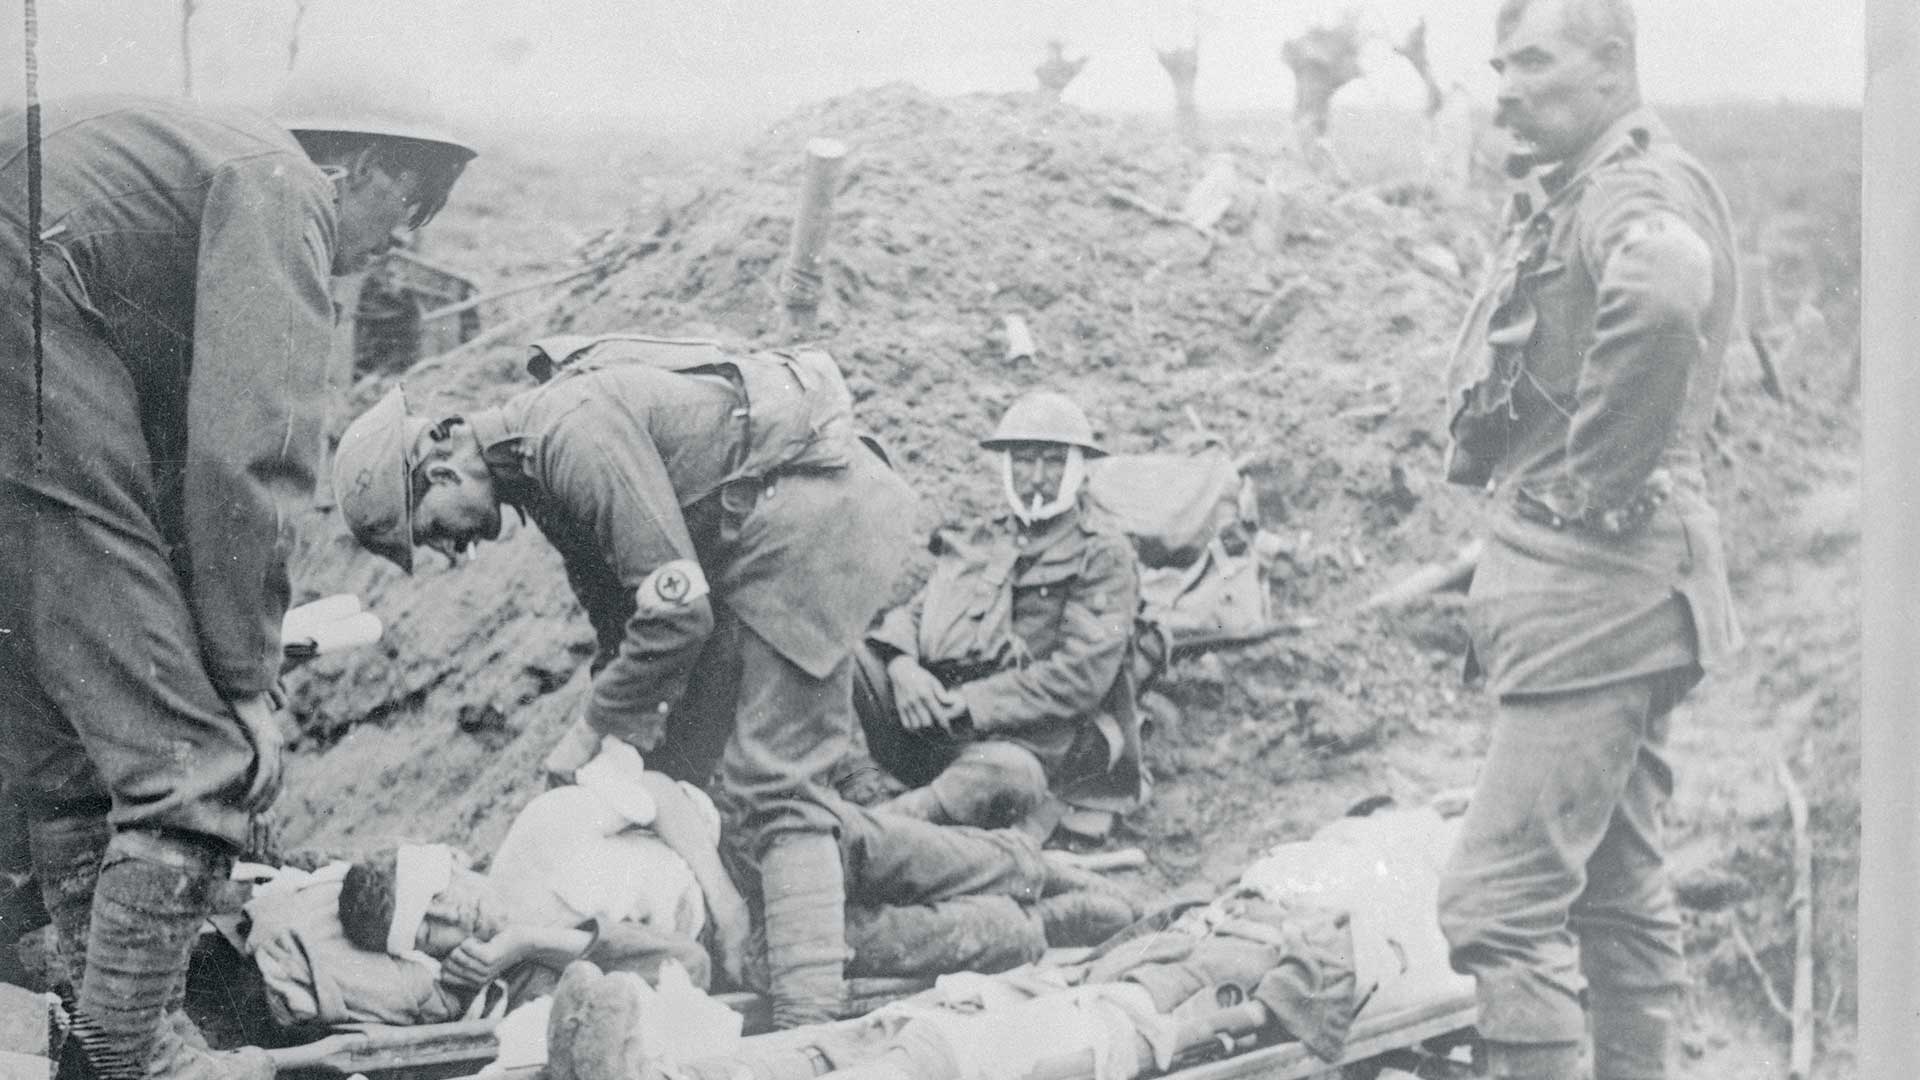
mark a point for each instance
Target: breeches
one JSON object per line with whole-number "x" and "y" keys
{"x": 104, "y": 701}
{"x": 1557, "y": 882}
{"x": 764, "y": 733}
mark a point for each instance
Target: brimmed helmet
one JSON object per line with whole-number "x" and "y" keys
{"x": 373, "y": 478}
{"x": 365, "y": 102}
{"x": 1044, "y": 416}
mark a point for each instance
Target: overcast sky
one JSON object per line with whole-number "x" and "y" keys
{"x": 689, "y": 62}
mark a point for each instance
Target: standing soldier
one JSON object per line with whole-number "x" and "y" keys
{"x": 729, "y": 537}
{"x": 163, "y": 423}
{"x": 1583, "y": 381}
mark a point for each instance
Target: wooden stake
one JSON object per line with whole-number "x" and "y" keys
{"x": 1800, "y": 1059}
{"x": 800, "y": 283}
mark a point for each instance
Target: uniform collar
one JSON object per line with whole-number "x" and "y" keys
{"x": 1633, "y": 132}
{"x": 503, "y": 445}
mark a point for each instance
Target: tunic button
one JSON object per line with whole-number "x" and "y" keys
{"x": 1043, "y": 590}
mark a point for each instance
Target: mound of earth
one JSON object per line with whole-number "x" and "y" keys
{"x": 1307, "y": 328}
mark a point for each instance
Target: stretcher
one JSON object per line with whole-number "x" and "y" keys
{"x": 1234, "y": 1043}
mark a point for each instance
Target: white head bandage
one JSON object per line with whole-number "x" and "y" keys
{"x": 421, "y": 872}
{"x": 1062, "y": 501}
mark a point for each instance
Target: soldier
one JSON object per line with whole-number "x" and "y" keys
{"x": 729, "y": 537}
{"x": 639, "y": 862}
{"x": 1581, "y": 386}
{"x": 163, "y": 416}
{"x": 1006, "y": 676}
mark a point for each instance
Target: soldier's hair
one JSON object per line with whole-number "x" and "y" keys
{"x": 418, "y": 482}
{"x": 1589, "y": 22}
{"x": 434, "y": 165}
{"x": 366, "y": 900}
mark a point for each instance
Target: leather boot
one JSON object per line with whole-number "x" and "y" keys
{"x": 154, "y": 891}
{"x": 594, "y": 1030}
{"x": 1533, "y": 1061}
{"x": 1083, "y": 918}
{"x": 67, "y": 852}
{"x": 804, "y": 900}
{"x": 1633, "y": 1033}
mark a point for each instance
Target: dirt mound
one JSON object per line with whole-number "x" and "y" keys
{"x": 1305, "y": 330}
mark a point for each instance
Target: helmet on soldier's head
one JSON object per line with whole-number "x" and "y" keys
{"x": 1044, "y": 416}
{"x": 361, "y": 100}
{"x": 373, "y": 478}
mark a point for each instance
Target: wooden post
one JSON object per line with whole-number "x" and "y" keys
{"x": 1800, "y": 1053}
{"x": 186, "y": 46}
{"x": 800, "y": 284}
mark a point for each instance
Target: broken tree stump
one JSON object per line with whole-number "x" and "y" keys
{"x": 1056, "y": 71}
{"x": 1323, "y": 60}
{"x": 801, "y": 281}
{"x": 1183, "y": 67}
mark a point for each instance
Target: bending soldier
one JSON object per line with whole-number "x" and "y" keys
{"x": 726, "y": 532}
{"x": 163, "y": 420}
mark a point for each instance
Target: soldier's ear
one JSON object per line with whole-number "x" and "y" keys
{"x": 442, "y": 471}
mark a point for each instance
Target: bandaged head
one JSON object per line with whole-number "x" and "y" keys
{"x": 421, "y": 872}
{"x": 1043, "y": 416}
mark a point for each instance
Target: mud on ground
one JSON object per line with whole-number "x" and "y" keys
{"x": 1308, "y": 330}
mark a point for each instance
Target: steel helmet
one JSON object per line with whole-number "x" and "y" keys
{"x": 373, "y": 478}
{"x": 366, "y": 101}
{"x": 1044, "y": 416}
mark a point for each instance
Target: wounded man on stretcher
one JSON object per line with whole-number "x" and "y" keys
{"x": 1309, "y": 937}
{"x": 621, "y": 868}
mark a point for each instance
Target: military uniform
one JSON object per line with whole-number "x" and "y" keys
{"x": 729, "y": 537}
{"x": 147, "y": 482}
{"x": 1031, "y": 626}
{"x": 1583, "y": 381}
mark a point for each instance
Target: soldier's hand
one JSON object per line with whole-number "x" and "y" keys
{"x": 575, "y": 748}
{"x": 262, "y": 730}
{"x": 732, "y": 932}
{"x": 475, "y": 963}
{"x": 923, "y": 703}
